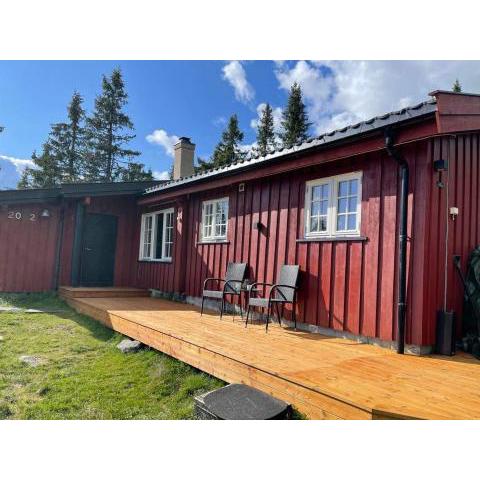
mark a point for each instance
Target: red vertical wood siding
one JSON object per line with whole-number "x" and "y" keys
{"x": 462, "y": 191}
{"x": 346, "y": 285}
{"x": 28, "y": 248}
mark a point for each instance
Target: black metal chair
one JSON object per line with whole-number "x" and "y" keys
{"x": 232, "y": 285}
{"x": 281, "y": 293}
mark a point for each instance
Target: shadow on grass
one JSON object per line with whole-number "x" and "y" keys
{"x": 98, "y": 331}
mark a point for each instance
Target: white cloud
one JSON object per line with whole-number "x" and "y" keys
{"x": 316, "y": 87}
{"x": 161, "y": 137}
{"x": 277, "y": 117}
{"x": 165, "y": 175}
{"x": 219, "y": 121}
{"x": 338, "y": 93}
{"x": 19, "y": 163}
{"x": 234, "y": 73}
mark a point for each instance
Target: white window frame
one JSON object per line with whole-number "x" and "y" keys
{"x": 213, "y": 237}
{"x": 333, "y": 182}
{"x": 153, "y": 243}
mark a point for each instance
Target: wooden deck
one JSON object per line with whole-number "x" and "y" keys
{"x": 326, "y": 378}
{"x": 101, "y": 292}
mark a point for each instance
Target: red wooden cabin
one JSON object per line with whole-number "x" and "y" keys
{"x": 331, "y": 205}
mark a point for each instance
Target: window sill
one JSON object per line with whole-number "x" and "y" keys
{"x": 337, "y": 238}
{"x": 212, "y": 242}
{"x": 143, "y": 260}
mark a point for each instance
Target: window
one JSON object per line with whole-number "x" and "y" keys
{"x": 214, "y": 219}
{"x": 157, "y": 236}
{"x": 332, "y": 206}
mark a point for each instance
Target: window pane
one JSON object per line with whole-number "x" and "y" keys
{"x": 314, "y": 224}
{"x": 147, "y": 237}
{"x": 324, "y": 207}
{"x": 352, "y": 204}
{"x": 341, "y": 222}
{"x": 342, "y": 205}
{"x": 353, "y": 187}
{"x": 352, "y": 221}
{"x": 343, "y": 188}
{"x": 316, "y": 209}
{"x": 323, "y": 224}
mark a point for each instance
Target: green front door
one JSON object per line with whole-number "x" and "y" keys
{"x": 98, "y": 250}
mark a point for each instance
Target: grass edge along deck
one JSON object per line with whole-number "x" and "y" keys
{"x": 195, "y": 340}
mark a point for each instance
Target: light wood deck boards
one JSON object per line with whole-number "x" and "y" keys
{"x": 101, "y": 292}
{"x": 324, "y": 377}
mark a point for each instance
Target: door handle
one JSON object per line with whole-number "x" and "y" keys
{"x": 88, "y": 249}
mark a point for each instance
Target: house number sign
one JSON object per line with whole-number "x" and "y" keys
{"x": 18, "y": 216}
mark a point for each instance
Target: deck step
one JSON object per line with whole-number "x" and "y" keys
{"x": 101, "y": 292}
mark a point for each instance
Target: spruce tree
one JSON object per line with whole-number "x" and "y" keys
{"x": 265, "y": 132}
{"x": 201, "y": 166}
{"x": 135, "y": 172}
{"x": 295, "y": 124}
{"x": 228, "y": 150}
{"x": 68, "y": 142}
{"x": 108, "y": 132}
{"x": 46, "y": 173}
{"x": 457, "y": 88}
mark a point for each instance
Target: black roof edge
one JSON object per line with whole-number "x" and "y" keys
{"x": 74, "y": 190}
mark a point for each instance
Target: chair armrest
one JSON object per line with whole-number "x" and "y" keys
{"x": 279, "y": 285}
{"x": 211, "y": 279}
{"x": 252, "y": 287}
{"x": 229, "y": 282}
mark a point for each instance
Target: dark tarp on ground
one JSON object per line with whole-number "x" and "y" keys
{"x": 470, "y": 323}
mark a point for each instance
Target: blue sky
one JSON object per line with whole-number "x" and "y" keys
{"x": 194, "y": 98}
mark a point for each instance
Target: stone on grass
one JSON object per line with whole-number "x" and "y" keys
{"x": 1, "y": 338}
{"x": 31, "y": 360}
{"x": 129, "y": 346}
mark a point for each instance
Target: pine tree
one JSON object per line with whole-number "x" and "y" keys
{"x": 107, "y": 132}
{"x": 228, "y": 149}
{"x": 135, "y": 172}
{"x": 457, "y": 88}
{"x": 295, "y": 124}
{"x": 266, "y": 142}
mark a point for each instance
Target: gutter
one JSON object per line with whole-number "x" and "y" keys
{"x": 402, "y": 239}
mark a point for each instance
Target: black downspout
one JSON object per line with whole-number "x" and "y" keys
{"x": 402, "y": 240}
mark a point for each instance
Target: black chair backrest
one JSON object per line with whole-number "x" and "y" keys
{"x": 288, "y": 276}
{"x": 235, "y": 271}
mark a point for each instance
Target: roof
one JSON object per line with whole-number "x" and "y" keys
{"x": 75, "y": 190}
{"x": 404, "y": 115}
{"x": 102, "y": 189}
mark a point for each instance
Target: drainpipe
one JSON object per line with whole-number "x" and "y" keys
{"x": 402, "y": 240}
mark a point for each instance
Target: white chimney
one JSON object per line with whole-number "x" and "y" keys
{"x": 183, "y": 163}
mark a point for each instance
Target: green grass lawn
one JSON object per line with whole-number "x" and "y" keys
{"x": 83, "y": 374}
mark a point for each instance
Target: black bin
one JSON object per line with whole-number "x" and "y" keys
{"x": 445, "y": 335}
